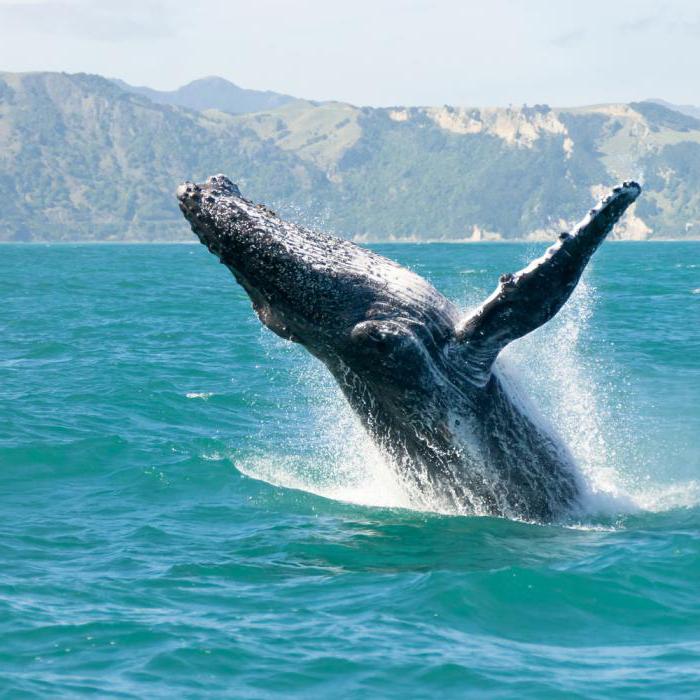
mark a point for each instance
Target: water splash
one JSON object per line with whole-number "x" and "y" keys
{"x": 582, "y": 394}
{"x": 573, "y": 398}
{"x": 334, "y": 457}
{"x": 577, "y": 396}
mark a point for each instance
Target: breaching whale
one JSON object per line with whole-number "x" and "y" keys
{"x": 418, "y": 372}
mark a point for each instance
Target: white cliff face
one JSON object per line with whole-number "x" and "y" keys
{"x": 399, "y": 115}
{"x": 517, "y": 127}
{"x": 522, "y": 128}
{"x": 481, "y": 234}
{"x": 632, "y": 227}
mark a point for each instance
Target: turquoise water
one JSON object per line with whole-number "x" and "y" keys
{"x": 187, "y": 509}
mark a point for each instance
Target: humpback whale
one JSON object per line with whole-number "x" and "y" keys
{"x": 420, "y": 373}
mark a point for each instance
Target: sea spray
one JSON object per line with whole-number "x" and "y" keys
{"x": 574, "y": 398}
{"x": 330, "y": 454}
{"x": 574, "y": 391}
{"x": 582, "y": 393}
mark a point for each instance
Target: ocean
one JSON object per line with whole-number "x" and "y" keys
{"x": 188, "y": 508}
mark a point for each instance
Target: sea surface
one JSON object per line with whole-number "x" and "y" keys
{"x": 188, "y": 509}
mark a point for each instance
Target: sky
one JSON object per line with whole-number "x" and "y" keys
{"x": 373, "y": 52}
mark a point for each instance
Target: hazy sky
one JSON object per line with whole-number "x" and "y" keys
{"x": 377, "y": 52}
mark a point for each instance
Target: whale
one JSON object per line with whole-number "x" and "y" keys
{"x": 420, "y": 373}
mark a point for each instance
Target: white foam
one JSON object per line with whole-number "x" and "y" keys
{"x": 338, "y": 481}
{"x": 334, "y": 457}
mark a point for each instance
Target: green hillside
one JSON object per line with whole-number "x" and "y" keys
{"x": 83, "y": 159}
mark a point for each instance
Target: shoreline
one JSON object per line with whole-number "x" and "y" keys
{"x": 428, "y": 241}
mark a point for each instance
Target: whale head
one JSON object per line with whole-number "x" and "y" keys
{"x": 341, "y": 301}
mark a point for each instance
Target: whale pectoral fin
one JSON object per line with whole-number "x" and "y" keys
{"x": 527, "y": 299}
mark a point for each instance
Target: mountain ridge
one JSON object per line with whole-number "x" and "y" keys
{"x": 212, "y": 92}
{"x": 690, "y": 110}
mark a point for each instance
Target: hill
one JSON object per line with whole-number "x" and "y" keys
{"x": 690, "y": 110}
{"x": 81, "y": 158}
{"x": 212, "y": 93}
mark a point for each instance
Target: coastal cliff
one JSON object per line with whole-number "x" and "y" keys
{"x": 86, "y": 158}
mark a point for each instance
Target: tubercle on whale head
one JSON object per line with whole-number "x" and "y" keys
{"x": 216, "y": 184}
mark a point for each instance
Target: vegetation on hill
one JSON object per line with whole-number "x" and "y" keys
{"x": 81, "y": 158}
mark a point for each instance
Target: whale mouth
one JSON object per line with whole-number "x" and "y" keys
{"x": 189, "y": 196}
{"x": 185, "y": 191}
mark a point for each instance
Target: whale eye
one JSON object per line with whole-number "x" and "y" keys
{"x": 387, "y": 344}
{"x": 389, "y": 351}
{"x": 379, "y": 336}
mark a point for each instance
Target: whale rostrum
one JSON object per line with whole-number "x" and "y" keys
{"x": 418, "y": 372}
